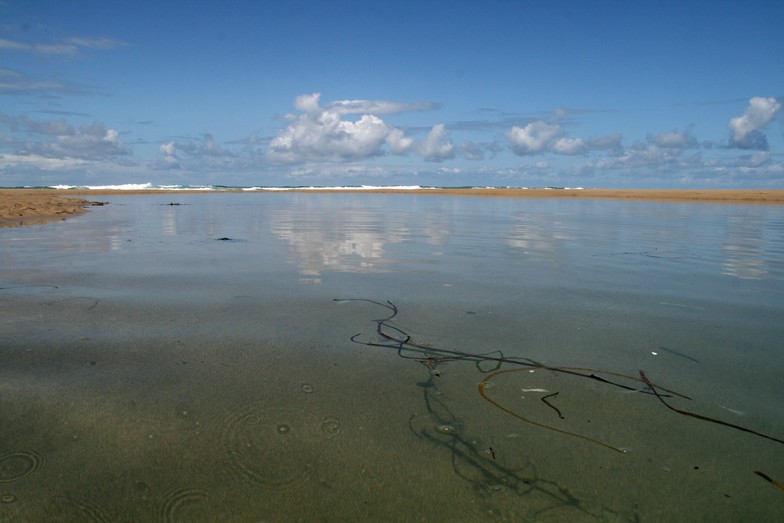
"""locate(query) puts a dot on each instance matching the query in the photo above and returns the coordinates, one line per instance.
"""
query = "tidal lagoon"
(393, 357)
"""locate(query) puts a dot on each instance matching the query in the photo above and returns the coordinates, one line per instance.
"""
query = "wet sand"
(20, 207)
(31, 206)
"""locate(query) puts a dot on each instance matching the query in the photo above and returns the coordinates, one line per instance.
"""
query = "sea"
(276, 356)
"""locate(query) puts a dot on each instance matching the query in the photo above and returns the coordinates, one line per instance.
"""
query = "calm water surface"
(214, 360)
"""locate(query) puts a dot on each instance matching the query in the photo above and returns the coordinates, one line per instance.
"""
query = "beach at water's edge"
(20, 207)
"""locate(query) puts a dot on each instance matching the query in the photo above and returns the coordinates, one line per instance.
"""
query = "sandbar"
(708, 195)
(32, 206)
(20, 207)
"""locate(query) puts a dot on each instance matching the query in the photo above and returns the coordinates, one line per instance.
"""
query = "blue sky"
(685, 94)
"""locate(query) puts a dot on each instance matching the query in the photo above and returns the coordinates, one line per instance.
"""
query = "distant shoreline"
(25, 206)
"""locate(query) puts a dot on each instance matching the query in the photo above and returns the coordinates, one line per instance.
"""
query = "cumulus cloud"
(206, 154)
(673, 139)
(308, 103)
(533, 138)
(62, 140)
(398, 142)
(320, 134)
(746, 129)
(169, 159)
(759, 159)
(167, 149)
(569, 146)
(650, 155)
(664, 152)
(541, 137)
(437, 145)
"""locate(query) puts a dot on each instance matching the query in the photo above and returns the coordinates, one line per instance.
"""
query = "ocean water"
(275, 356)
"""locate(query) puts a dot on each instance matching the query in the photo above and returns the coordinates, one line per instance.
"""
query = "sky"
(610, 94)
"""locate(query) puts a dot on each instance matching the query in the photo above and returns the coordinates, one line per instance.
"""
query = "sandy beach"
(33, 206)
(20, 207)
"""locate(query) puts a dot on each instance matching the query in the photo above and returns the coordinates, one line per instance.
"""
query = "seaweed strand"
(397, 339)
(544, 400)
(769, 479)
(484, 395)
(705, 418)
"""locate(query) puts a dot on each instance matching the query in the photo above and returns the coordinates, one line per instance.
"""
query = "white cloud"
(375, 107)
(760, 159)
(569, 146)
(169, 154)
(650, 156)
(533, 138)
(541, 137)
(398, 142)
(320, 134)
(112, 137)
(87, 142)
(746, 130)
(673, 139)
(437, 146)
(17, 161)
(449, 170)
(167, 149)
(308, 103)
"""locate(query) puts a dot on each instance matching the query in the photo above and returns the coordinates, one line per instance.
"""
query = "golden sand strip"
(729, 196)
(29, 206)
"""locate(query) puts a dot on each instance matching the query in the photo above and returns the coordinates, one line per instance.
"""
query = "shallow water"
(190, 363)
